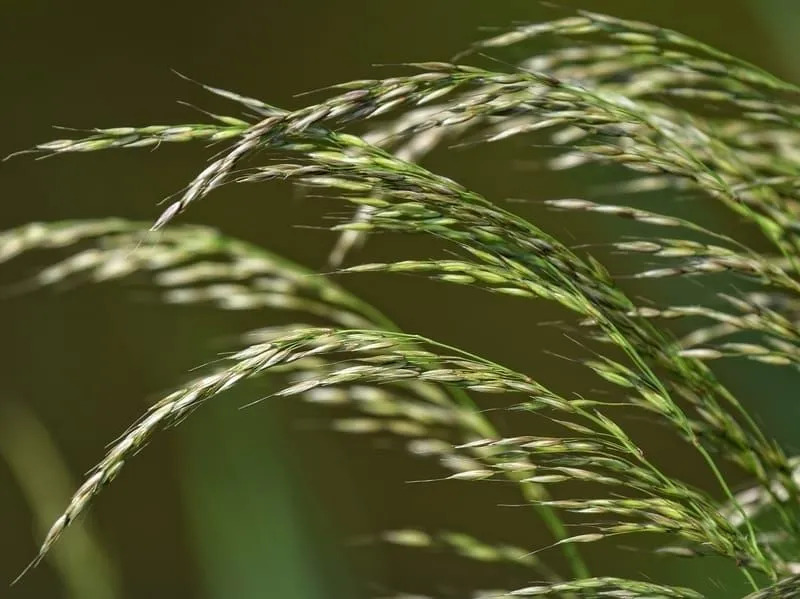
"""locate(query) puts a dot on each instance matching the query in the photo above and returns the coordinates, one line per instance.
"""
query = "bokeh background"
(267, 501)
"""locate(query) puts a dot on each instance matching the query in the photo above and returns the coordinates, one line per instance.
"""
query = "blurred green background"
(266, 502)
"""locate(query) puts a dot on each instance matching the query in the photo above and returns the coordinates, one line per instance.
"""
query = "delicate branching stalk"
(675, 112)
(197, 264)
(385, 358)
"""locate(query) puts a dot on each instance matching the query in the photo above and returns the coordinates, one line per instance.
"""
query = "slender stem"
(748, 523)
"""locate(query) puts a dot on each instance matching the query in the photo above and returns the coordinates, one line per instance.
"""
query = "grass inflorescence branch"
(674, 114)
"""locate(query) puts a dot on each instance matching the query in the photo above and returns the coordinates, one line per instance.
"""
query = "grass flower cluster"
(675, 114)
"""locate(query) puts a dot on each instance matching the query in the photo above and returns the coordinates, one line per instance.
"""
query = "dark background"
(264, 501)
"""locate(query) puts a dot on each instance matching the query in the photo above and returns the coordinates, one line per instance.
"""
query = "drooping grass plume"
(197, 264)
(677, 114)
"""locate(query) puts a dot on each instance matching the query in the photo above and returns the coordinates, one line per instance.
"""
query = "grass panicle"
(670, 113)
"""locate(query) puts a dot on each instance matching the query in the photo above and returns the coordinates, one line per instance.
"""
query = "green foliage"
(678, 115)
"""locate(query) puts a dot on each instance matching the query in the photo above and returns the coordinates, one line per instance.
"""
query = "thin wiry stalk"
(678, 114)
